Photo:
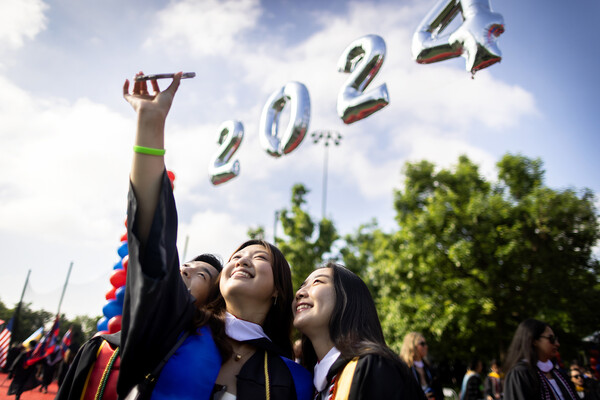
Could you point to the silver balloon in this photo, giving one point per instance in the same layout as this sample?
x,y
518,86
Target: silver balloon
x,y
475,39
362,59
275,144
221,168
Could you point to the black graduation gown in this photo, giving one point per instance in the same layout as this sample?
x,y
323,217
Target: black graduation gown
x,y
431,378
522,383
74,381
24,378
282,382
157,305
378,377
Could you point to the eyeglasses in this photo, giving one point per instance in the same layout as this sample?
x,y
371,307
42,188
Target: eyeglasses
x,y
422,344
575,376
552,339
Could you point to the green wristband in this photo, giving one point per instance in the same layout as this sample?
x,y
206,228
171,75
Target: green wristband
x,y
149,150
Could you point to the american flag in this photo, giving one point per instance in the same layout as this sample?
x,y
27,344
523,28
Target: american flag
x,y
5,342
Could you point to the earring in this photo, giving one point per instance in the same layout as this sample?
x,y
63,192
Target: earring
x,y
275,302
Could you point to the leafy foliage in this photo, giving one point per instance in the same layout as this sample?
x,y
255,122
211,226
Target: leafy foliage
x,y
304,247
472,259
83,327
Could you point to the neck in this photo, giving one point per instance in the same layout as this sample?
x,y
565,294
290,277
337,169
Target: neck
x,y
418,358
248,311
322,344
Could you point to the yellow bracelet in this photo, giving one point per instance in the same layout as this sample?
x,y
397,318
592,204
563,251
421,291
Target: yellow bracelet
x,y
149,150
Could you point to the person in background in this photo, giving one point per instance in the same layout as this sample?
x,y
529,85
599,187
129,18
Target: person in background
x,y
471,388
413,352
492,385
343,341
22,374
298,351
531,374
586,388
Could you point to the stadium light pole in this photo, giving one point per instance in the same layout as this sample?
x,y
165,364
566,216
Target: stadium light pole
x,y
327,137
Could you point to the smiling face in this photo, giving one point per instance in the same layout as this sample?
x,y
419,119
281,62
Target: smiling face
x,y
314,303
198,277
249,276
544,346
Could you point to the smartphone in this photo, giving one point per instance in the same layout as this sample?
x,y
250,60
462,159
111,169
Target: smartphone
x,y
163,76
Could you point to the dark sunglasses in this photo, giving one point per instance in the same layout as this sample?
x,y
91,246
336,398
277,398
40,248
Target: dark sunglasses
x,y
552,339
422,344
576,376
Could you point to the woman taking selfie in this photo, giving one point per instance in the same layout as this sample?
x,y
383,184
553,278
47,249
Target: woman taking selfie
x,y
255,286
343,340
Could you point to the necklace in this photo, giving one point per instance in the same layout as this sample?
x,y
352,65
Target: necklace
x,y
238,355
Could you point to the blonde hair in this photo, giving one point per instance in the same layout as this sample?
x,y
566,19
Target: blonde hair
x,y
409,347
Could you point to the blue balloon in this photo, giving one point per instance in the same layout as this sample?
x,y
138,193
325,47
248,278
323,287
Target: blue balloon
x,y
120,295
112,308
118,265
102,324
123,251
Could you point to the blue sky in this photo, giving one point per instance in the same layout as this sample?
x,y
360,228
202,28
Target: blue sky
x,y
66,132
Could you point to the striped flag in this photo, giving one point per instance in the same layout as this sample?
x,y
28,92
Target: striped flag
x,y
66,342
46,346
5,342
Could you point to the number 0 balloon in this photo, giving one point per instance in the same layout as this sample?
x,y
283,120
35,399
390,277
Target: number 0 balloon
x,y
274,143
362,59
475,39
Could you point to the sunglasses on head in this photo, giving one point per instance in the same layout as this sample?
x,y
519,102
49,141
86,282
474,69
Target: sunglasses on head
x,y
552,339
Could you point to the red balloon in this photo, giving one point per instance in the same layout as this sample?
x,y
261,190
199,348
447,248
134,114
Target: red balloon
x,y
125,262
124,237
118,278
171,176
110,295
114,324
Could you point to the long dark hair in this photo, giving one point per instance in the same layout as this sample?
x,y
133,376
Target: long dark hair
x,y
521,347
278,322
354,326
207,314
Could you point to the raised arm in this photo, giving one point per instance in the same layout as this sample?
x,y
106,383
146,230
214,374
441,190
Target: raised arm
x,y
147,169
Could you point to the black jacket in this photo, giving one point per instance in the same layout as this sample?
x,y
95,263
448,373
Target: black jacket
x,y
377,377
523,383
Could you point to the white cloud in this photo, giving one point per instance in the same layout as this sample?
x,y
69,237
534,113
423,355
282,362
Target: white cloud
x,y
20,20
204,27
68,165
432,110
211,232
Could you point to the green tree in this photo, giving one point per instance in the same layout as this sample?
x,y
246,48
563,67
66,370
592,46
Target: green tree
x,y
471,259
305,243
29,321
256,233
